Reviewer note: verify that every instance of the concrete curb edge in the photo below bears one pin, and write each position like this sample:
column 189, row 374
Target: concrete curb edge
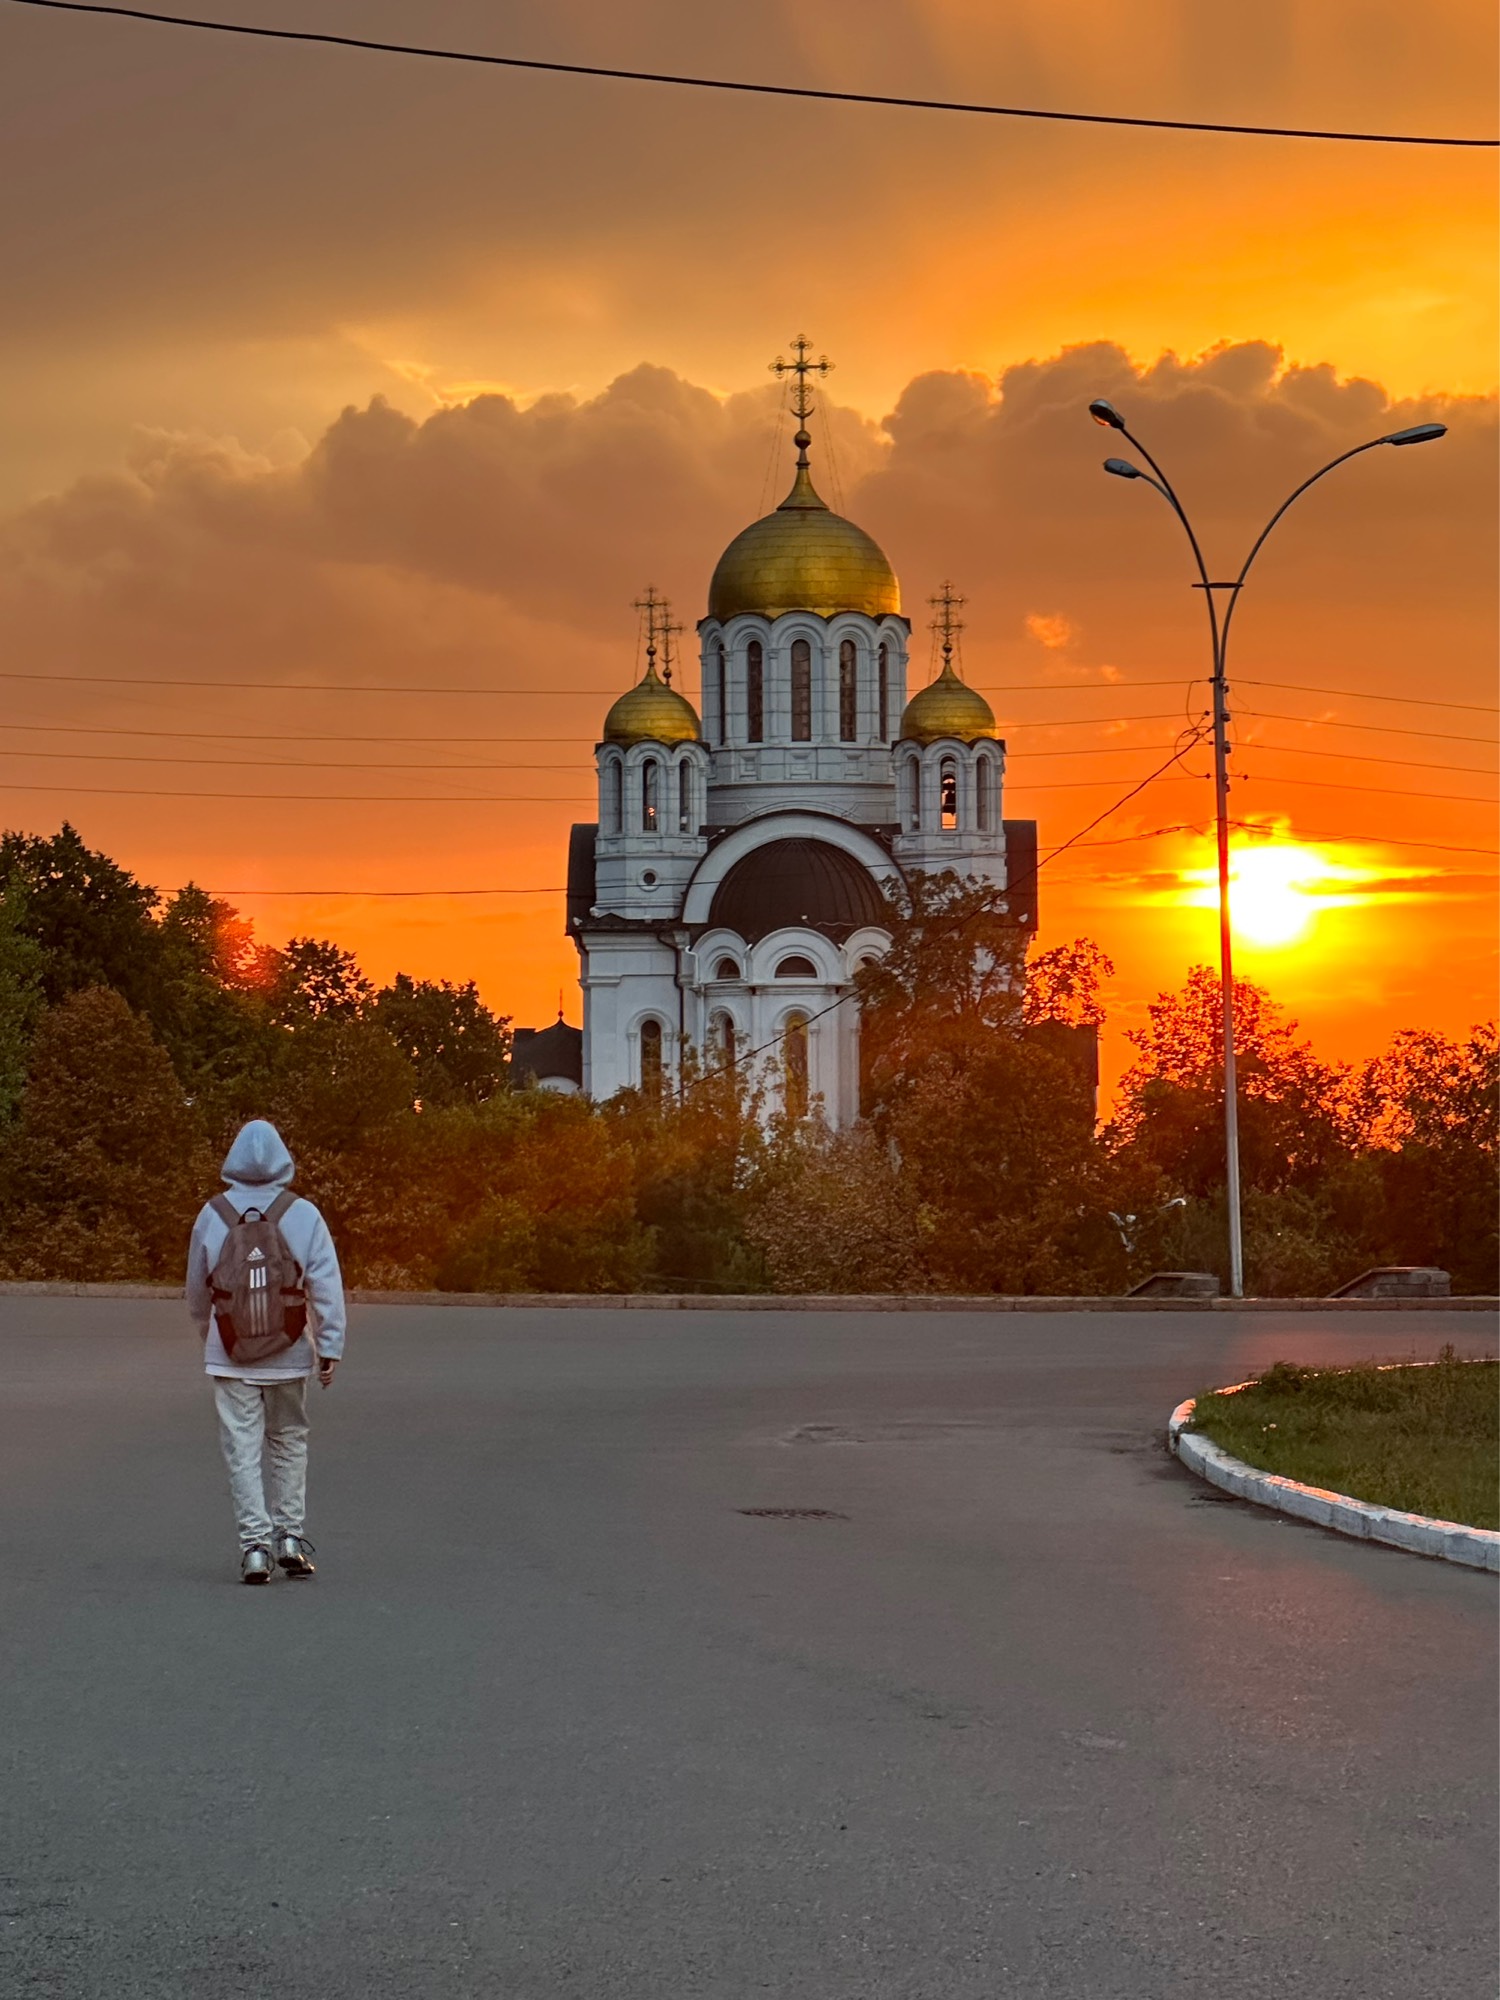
column 1450, row 1541
column 786, row 1301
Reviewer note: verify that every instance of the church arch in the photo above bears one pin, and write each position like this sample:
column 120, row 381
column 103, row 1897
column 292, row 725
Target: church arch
column 613, row 802
column 795, row 1066
column 651, row 796
column 948, row 795
column 727, row 968
column 721, row 694
column 797, row 966
column 883, row 692
column 723, row 1040
column 848, row 691
column 802, row 701
column 800, row 824
column 755, row 692
column 686, row 818
column 652, row 1056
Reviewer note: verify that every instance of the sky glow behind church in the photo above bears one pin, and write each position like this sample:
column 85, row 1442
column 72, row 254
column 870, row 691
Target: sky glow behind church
column 565, row 295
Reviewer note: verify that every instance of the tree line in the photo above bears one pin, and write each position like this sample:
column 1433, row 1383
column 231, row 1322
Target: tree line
column 138, row 1031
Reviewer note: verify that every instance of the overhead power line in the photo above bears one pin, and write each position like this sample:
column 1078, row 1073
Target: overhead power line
column 1364, row 694
column 749, row 89
column 483, row 693
column 1333, row 722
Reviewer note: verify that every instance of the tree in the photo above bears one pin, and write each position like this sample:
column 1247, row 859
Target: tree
column 1428, row 1108
column 312, row 979
column 103, row 1170
column 457, row 1048
column 90, row 919
column 20, row 1000
column 1296, row 1117
column 1066, row 984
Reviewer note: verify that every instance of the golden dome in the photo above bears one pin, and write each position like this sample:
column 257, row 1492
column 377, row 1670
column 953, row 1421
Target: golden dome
column 803, row 557
column 947, row 707
column 651, row 712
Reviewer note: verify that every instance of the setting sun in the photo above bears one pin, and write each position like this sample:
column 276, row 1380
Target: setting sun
column 1276, row 893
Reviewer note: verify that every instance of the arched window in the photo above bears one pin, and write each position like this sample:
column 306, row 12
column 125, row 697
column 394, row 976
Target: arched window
column 721, row 691
column 948, row 795
column 650, row 796
column 727, row 968
column 794, row 1065
column 723, row 1039
column 984, row 778
column 801, row 691
column 614, row 807
column 848, row 692
column 684, row 797
column 755, row 692
column 914, row 793
column 651, row 1062
column 796, row 967
column 884, row 692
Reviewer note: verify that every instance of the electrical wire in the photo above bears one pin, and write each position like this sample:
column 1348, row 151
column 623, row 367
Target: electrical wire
column 751, row 89
column 1366, row 728
column 1275, row 750
column 601, row 693
column 342, row 736
column 1378, row 791
column 1363, row 694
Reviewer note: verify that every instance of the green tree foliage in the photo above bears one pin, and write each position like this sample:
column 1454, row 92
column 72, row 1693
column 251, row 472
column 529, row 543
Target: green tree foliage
column 21, row 967
column 1295, row 1112
column 102, row 1171
column 457, row 1048
column 89, row 918
column 135, row 1035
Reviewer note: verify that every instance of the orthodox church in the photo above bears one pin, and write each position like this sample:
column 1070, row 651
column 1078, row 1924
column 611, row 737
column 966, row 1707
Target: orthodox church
column 734, row 880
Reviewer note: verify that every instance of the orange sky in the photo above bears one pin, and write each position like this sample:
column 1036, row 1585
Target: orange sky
column 566, row 294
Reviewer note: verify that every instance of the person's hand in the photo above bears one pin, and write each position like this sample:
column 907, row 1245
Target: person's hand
column 325, row 1370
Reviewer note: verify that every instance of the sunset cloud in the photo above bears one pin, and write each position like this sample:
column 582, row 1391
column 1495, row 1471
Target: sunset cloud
column 498, row 547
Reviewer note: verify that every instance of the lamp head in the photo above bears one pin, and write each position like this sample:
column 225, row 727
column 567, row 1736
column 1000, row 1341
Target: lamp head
column 1106, row 414
column 1418, row 434
column 1123, row 469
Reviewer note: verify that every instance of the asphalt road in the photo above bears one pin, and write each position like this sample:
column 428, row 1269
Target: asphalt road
column 1033, row 1715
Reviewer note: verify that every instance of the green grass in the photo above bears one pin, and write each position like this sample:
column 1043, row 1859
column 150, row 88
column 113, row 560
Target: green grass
column 1424, row 1439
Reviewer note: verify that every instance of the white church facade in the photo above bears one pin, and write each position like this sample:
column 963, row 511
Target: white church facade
column 735, row 879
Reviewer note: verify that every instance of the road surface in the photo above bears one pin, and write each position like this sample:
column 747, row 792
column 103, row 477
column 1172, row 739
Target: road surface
column 1012, row 1708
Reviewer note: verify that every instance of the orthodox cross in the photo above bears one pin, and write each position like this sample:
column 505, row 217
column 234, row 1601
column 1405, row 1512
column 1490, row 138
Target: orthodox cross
column 656, row 610
column 946, row 624
column 801, row 367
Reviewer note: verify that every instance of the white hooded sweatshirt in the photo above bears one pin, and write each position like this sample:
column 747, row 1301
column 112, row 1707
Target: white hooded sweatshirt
column 256, row 1168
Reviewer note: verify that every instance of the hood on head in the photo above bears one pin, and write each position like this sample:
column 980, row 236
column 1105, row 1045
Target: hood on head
column 258, row 1157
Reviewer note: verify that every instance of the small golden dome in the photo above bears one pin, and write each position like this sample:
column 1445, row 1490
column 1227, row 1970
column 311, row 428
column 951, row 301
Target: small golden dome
column 947, row 707
column 803, row 557
column 652, row 712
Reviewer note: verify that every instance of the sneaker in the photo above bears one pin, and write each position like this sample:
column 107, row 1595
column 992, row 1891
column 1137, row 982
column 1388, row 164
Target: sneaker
column 293, row 1553
column 255, row 1565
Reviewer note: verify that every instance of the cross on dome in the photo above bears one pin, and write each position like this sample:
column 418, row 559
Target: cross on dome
column 945, row 624
column 802, row 395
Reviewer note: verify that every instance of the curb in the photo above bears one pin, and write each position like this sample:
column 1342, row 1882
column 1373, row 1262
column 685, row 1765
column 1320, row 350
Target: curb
column 788, row 1301
column 1450, row 1541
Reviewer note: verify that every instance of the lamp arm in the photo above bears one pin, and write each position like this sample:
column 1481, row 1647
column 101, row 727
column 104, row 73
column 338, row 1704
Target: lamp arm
column 1168, row 492
column 1322, row 472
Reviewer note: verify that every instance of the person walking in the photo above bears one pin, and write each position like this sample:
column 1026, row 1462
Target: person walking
column 264, row 1290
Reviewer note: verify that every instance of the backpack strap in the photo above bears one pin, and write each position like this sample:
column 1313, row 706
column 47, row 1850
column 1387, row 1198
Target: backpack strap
column 225, row 1209
column 281, row 1204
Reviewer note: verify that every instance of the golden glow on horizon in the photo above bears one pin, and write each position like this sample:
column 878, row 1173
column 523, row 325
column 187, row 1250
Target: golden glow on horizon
column 1276, row 893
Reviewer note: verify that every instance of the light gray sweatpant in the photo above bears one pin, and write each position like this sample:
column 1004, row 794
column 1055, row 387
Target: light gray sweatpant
column 273, row 1416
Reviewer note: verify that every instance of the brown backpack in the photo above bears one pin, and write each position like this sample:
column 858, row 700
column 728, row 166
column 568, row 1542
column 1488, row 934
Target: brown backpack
column 259, row 1302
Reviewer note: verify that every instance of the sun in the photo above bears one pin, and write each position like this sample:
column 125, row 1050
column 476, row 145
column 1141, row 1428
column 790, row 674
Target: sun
column 1277, row 892
column 1273, row 892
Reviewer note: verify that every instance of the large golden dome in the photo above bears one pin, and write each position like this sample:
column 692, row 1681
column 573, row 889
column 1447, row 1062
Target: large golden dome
column 651, row 712
column 803, row 557
column 947, row 707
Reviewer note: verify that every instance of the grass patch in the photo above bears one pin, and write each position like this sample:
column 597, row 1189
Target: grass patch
column 1423, row 1439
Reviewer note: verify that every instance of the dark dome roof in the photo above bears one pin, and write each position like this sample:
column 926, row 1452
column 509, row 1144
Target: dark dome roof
column 806, row 882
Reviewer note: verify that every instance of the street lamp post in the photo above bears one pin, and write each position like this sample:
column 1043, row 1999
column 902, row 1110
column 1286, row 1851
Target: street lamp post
column 1106, row 414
